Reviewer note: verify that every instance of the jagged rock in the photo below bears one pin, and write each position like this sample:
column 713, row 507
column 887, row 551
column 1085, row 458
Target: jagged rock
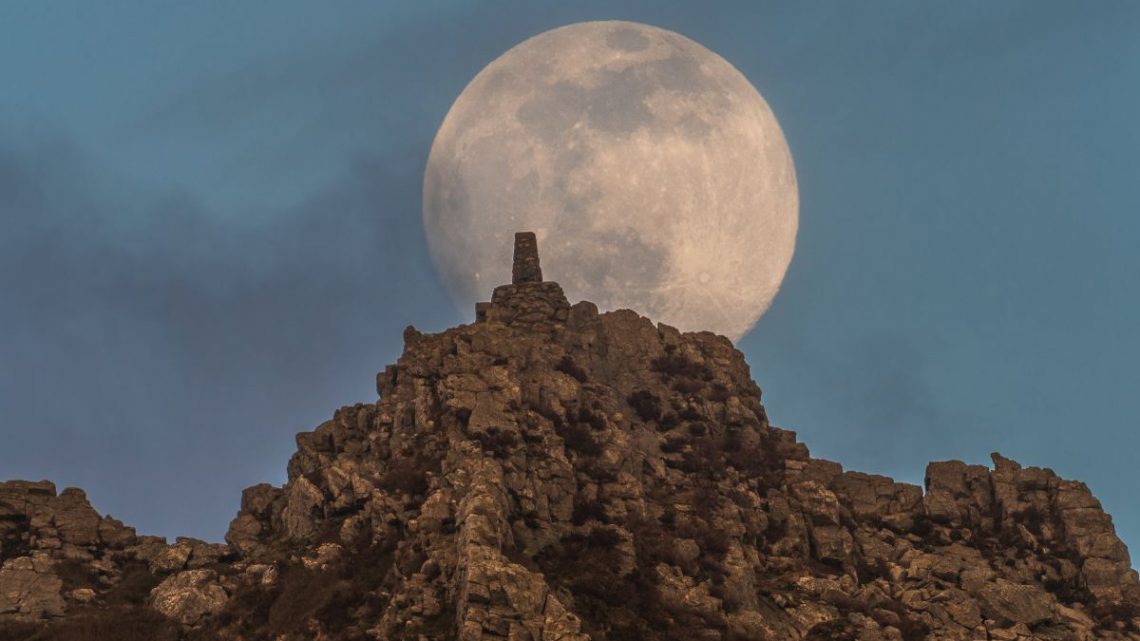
column 549, row 473
column 82, row 595
column 1009, row 603
column 958, row 494
column 170, row 559
column 114, row 535
column 878, row 499
column 302, row 509
column 189, row 596
column 75, row 519
column 30, row 589
column 58, row 553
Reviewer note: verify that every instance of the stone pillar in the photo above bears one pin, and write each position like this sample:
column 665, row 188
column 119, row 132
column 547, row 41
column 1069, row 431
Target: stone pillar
column 526, row 268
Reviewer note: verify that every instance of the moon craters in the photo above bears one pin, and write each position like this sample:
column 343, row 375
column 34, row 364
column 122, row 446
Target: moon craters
column 654, row 174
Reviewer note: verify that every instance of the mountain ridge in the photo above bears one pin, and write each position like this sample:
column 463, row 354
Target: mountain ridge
column 553, row 473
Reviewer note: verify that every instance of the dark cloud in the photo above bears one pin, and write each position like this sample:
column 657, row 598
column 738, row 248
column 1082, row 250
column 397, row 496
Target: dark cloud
column 170, row 360
column 161, row 351
column 882, row 386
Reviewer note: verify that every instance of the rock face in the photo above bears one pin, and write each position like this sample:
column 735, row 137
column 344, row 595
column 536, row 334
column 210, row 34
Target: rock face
column 550, row 473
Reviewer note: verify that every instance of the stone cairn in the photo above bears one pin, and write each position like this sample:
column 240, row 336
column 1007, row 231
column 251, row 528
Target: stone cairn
column 526, row 268
column 528, row 299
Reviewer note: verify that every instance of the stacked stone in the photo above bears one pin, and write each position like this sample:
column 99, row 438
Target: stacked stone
column 525, row 268
column 528, row 300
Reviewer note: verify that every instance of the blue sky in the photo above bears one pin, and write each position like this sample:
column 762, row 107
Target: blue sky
column 210, row 230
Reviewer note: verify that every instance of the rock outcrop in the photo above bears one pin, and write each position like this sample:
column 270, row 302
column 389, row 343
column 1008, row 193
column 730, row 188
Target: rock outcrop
column 551, row 473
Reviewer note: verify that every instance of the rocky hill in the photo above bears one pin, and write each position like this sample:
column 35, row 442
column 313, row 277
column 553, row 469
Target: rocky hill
column 550, row 473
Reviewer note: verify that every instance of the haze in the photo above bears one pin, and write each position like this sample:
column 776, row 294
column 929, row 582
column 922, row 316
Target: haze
column 210, row 233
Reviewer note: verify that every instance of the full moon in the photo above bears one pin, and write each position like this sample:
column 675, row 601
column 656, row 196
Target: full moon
column 654, row 175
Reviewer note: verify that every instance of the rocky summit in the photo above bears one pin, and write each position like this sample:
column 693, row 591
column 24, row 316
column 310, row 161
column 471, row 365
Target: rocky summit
column 552, row 473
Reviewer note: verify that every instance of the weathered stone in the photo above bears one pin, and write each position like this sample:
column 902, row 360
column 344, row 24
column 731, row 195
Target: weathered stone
column 244, row 532
column 113, row 534
column 686, row 550
column 958, row 494
column 832, row 543
column 171, row 559
column 82, row 595
column 818, row 502
column 878, row 499
column 526, row 268
column 1010, row 603
column 303, row 505
column 189, row 596
column 29, row 589
column 77, row 522
column 203, row 554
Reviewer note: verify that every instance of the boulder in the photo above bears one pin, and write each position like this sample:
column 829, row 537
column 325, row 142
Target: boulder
column 189, row 596
column 29, row 589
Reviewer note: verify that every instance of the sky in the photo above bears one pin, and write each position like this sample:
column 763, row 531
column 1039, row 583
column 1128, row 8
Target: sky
column 210, row 230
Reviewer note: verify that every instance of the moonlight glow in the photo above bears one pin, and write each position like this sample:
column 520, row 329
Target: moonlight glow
column 652, row 171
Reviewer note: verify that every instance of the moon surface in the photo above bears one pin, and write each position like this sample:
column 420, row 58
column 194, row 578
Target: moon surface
column 654, row 175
